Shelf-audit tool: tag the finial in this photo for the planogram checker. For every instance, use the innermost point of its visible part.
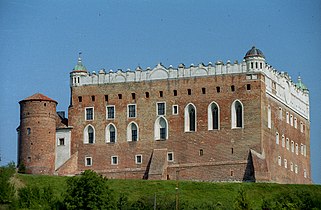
(79, 57)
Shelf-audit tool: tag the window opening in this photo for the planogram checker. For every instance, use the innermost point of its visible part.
(133, 96)
(147, 94)
(189, 91)
(79, 99)
(132, 111)
(248, 87)
(161, 108)
(89, 113)
(92, 98)
(106, 97)
(175, 92)
(203, 90)
(218, 89)
(161, 94)
(232, 88)
(120, 96)
(110, 112)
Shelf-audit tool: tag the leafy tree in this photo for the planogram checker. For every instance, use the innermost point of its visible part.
(89, 191)
(6, 188)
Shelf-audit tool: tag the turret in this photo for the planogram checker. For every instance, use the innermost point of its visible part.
(78, 71)
(255, 60)
(37, 134)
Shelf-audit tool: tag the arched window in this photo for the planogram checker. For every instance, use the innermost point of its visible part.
(277, 138)
(190, 118)
(132, 132)
(237, 114)
(213, 116)
(89, 134)
(161, 129)
(269, 117)
(111, 133)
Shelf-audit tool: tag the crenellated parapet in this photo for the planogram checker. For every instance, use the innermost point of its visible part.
(278, 84)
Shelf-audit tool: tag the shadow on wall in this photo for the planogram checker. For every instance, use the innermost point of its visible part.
(249, 174)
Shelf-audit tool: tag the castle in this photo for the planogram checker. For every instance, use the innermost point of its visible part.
(217, 122)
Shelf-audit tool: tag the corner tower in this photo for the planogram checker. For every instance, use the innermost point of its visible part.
(37, 134)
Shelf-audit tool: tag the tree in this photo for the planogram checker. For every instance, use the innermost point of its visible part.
(89, 191)
(6, 188)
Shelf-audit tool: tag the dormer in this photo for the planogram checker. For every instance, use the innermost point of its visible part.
(255, 59)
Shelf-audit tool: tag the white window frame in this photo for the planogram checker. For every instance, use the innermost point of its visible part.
(287, 144)
(291, 120)
(285, 163)
(172, 154)
(107, 133)
(129, 131)
(291, 166)
(292, 146)
(234, 117)
(157, 129)
(295, 122)
(112, 160)
(296, 149)
(301, 127)
(269, 117)
(302, 149)
(162, 102)
(128, 110)
(108, 106)
(91, 161)
(287, 117)
(277, 138)
(86, 113)
(279, 161)
(173, 109)
(187, 125)
(58, 141)
(141, 159)
(210, 116)
(86, 137)
(283, 140)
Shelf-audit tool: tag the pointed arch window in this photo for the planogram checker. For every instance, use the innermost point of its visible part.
(132, 132)
(190, 118)
(237, 114)
(161, 129)
(89, 134)
(111, 133)
(213, 116)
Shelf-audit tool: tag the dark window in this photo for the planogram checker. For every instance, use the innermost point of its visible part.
(191, 118)
(110, 112)
(88, 161)
(134, 134)
(160, 108)
(232, 150)
(90, 135)
(138, 159)
(238, 108)
(261, 65)
(189, 91)
(61, 141)
(204, 90)
(201, 152)
(106, 97)
(132, 110)
(218, 89)
(89, 113)
(29, 159)
(160, 93)
(114, 160)
(232, 88)
(133, 96)
(93, 98)
(120, 96)
(256, 66)
(162, 133)
(248, 87)
(79, 99)
(214, 116)
(28, 131)
(147, 94)
(232, 173)
(175, 92)
(45, 104)
(170, 156)
(112, 136)
(175, 109)
(251, 65)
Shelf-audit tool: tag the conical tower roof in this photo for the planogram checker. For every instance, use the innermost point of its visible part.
(38, 97)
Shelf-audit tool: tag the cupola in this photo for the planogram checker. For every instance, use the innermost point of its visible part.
(80, 66)
(255, 59)
(300, 85)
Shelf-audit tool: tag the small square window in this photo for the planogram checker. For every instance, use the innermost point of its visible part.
(132, 111)
(61, 141)
(88, 161)
(189, 91)
(170, 156)
(203, 90)
(138, 159)
(89, 113)
(175, 109)
(79, 99)
(92, 98)
(147, 94)
(248, 86)
(175, 92)
(106, 98)
(218, 89)
(110, 112)
(161, 108)
(114, 160)
(133, 96)
(120, 96)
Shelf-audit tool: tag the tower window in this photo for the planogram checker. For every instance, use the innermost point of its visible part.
(218, 89)
(61, 141)
(79, 99)
(161, 129)
(88, 161)
(133, 96)
(175, 92)
(170, 156)
(110, 112)
(28, 131)
(92, 98)
(161, 94)
(201, 152)
(213, 116)
(161, 109)
(89, 113)
(147, 94)
(189, 91)
(248, 86)
(175, 109)
(138, 159)
(132, 132)
(203, 90)
(114, 160)
(120, 96)
(190, 118)
(132, 110)
(237, 114)
(232, 88)
(111, 133)
(106, 98)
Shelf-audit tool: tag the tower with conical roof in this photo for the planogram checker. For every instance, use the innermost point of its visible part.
(37, 134)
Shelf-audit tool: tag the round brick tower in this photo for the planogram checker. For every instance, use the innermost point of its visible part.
(37, 134)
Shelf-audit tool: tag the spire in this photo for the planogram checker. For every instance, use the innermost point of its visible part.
(79, 66)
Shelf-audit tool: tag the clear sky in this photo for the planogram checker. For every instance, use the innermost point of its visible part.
(40, 41)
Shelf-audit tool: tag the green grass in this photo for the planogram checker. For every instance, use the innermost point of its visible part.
(193, 192)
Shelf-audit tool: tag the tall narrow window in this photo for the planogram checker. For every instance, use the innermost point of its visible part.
(277, 138)
(292, 146)
(132, 132)
(106, 98)
(89, 113)
(175, 92)
(237, 114)
(88, 161)
(285, 163)
(133, 96)
(283, 141)
(28, 131)
(89, 134)
(301, 149)
(161, 108)
(79, 99)
(269, 117)
(287, 117)
(291, 120)
(190, 118)
(218, 89)
(287, 144)
(92, 98)
(296, 148)
(110, 112)
(161, 94)
(111, 133)
(279, 160)
(280, 113)
(248, 86)
(232, 88)
(175, 110)
(189, 91)
(213, 116)
(132, 111)
(203, 90)
(147, 94)
(161, 129)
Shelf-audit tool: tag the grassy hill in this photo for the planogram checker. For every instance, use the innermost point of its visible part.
(221, 195)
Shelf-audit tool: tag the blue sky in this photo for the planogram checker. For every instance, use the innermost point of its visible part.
(40, 41)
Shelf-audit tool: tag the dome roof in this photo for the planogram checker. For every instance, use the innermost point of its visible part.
(38, 97)
(254, 52)
(300, 84)
(79, 66)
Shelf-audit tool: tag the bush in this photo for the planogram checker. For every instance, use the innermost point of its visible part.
(6, 188)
